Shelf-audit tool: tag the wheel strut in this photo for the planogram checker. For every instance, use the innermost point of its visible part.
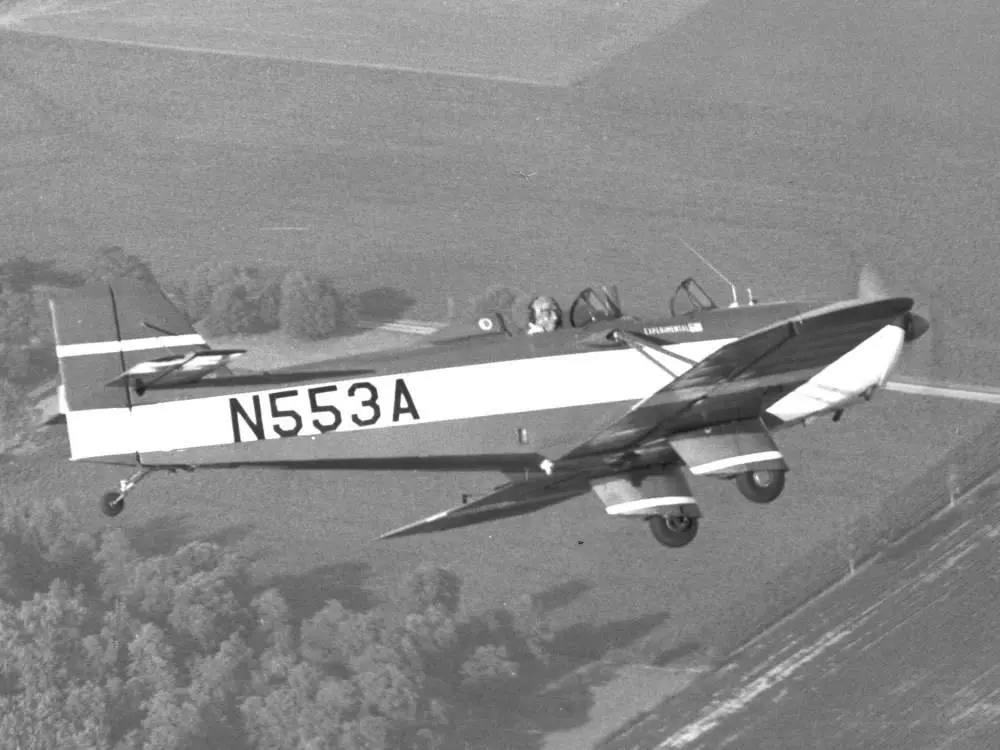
(125, 485)
(113, 503)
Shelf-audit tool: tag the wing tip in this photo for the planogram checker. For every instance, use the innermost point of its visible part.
(416, 526)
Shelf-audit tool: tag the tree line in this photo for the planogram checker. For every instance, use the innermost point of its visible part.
(103, 647)
(221, 298)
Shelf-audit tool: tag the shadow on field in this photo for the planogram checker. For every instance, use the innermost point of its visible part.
(23, 273)
(925, 536)
(678, 653)
(551, 697)
(587, 642)
(384, 303)
(307, 593)
(562, 594)
(165, 534)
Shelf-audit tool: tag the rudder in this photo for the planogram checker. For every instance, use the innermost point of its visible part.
(101, 330)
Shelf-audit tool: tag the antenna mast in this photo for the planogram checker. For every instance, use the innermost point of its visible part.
(703, 259)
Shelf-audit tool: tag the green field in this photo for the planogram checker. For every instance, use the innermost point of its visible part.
(547, 43)
(792, 142)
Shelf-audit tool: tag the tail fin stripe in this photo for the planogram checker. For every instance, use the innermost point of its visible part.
(129, 345)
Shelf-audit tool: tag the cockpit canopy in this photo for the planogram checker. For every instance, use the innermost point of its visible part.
(690, 298)
(593, 305)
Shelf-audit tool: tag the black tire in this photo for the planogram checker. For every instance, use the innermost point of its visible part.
(112, 503)
(675, 531)
(762, 486)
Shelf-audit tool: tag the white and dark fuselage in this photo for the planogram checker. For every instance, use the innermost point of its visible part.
(622, 406)
(481, 400)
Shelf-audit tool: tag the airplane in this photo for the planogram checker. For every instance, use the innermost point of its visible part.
(622, 406)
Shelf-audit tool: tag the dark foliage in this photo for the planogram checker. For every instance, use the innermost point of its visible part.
(310, 306)
(384, 303)
(22, 274)
(179, 649)
(112, 261)
(230, 298)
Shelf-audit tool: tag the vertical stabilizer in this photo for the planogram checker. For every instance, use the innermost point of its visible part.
(101, 330)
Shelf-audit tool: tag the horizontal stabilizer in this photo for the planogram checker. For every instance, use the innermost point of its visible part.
(728, 449)
(168, 372)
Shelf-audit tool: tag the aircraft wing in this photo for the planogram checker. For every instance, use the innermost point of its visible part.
(730, 381)
(512, 499)
(724, 382)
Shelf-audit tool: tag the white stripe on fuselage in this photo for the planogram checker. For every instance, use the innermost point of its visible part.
(428, 396)
(128, 345)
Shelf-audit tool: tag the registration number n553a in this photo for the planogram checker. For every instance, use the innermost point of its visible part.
(318, 409)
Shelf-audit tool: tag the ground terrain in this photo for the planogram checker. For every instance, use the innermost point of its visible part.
(862, 650)
(792, 142)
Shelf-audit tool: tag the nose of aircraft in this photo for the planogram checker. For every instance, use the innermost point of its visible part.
(915, 326)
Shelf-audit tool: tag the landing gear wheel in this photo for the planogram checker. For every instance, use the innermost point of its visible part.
(674, 531)
(112, 503)
(761, 486)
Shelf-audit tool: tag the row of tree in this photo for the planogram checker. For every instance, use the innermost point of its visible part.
(101, 647)
(223, 299)
(229, 298)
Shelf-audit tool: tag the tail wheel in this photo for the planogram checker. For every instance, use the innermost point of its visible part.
(761, 486)
(674, 531)
(112, 503)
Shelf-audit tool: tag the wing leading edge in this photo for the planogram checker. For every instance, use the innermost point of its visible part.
(734, 376)
(801, 345)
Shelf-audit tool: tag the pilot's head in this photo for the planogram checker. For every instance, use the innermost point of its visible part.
(546, 315)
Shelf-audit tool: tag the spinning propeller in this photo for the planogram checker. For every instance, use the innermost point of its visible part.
(870, 287)
(915, 325)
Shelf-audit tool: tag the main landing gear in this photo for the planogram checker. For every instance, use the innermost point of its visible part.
(761, 486)
(112, 503)
(674, 530)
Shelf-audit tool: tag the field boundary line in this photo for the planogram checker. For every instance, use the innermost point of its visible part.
(873, 558)
(21, 28)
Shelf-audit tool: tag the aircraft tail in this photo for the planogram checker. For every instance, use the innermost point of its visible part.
(101, 332)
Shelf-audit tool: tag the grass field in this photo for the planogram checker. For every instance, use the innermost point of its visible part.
(791, 141)
(390, 178)
(541, 43)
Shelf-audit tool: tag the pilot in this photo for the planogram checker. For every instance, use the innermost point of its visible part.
(545, 315)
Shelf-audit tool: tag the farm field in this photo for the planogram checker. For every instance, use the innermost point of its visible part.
(544, 44)
(791, 144)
